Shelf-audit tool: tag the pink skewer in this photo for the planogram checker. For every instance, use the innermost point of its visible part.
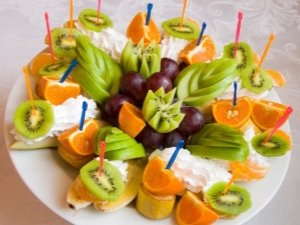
(49, 37)
(102, 149)
(280, 122)
(238, 30)
(98, 9)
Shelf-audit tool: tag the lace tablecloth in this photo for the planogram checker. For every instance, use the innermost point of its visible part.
(22, 31)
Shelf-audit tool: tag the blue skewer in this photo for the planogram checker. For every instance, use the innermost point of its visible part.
(178, 147)
(69, 70)
(149, 7)
(84, 108)
(201, 33)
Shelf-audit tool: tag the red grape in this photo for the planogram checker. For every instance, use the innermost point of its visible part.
(171, 139)
(158, 80)
(192, 122)
(114, 102)
(134, 85)
(169, 67)
(150, 138)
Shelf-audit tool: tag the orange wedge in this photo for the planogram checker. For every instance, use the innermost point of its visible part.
(39, 61)
(277, 78)
(235, 116)
(131, 119)
(77, 141)
(204, 52)
(192, 211)
(137, 30)
(265, 114)
(159, 180)
(57, 93)
(256, 57)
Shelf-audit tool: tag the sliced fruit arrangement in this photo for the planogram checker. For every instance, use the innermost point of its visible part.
(230, 204)
(35, 123)
(90, 20)
(119, 145)
(200, 83)
(160, 112)
(138, 30)
(219, 141)
(188, 29)
(97, 73)
(141, 58)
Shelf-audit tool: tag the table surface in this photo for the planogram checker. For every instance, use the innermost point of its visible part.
(22, 31)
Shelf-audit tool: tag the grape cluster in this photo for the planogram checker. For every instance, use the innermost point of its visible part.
(133, 89)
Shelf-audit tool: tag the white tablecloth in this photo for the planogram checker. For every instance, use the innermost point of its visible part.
(22, 31)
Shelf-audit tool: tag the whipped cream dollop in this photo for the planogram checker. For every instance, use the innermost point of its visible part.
(66, 115)
(120, 165)
(196, 173)
(108, 40)
(172, 46)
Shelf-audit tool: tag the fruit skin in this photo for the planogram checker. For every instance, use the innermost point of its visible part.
(150, 138)
(48, 142)
(114, 103)
(158, 80)
(153, 206)
(74, 201)
(93, 13)
(133, 180)
(169, 67)
(171, 139)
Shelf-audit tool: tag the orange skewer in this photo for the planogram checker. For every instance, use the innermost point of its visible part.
(28, 86)
(271, 39)
(183, 12)
(233, 178)
(71, 20)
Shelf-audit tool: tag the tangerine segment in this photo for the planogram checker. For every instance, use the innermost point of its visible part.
(129, 115)
(39, 61)
(80, 142)
(192, 211)
(249, 170)
(138, 30)
(204, 52)
(57, 93)
(256, 57)
(235, 116)
(277, 78)
(159, 180)
(265, 114)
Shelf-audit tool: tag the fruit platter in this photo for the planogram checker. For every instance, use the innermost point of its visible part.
(115, 122)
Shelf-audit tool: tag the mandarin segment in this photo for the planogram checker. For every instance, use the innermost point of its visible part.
(39, 61)
(277, 78)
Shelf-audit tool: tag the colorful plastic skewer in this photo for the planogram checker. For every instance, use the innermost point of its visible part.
(149, 8)
(173, 157)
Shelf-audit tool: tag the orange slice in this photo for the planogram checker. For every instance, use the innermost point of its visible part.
(277, 78)
(192, 211)
(77, 141)
(39, 61)
(68, 25)
(131, 119)
(256, 57)
(138, 30)
(265, 114)
(159, 180)
(204, 52)
(57, 93)
(235, 116)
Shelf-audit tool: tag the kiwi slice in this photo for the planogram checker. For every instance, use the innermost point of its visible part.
(88, 18)
(109, 186)
(243, 54)
(62, 44)
(188, 30)
(32, 125)
(234, 202)
(56, 69)
(275, 146)
(258, 84)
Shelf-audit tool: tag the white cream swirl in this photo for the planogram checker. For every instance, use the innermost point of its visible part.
(196, 173)
(108, 40)
(172, 46)
(66, 115)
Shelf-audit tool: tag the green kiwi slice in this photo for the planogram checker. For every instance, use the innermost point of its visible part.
(258, 84)
(188, 31)
(62, 44)
(88, 18)
(244, 54)
(34, 126)
(234, 202)
(275, 146)
(109, 186)
(56, 69)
